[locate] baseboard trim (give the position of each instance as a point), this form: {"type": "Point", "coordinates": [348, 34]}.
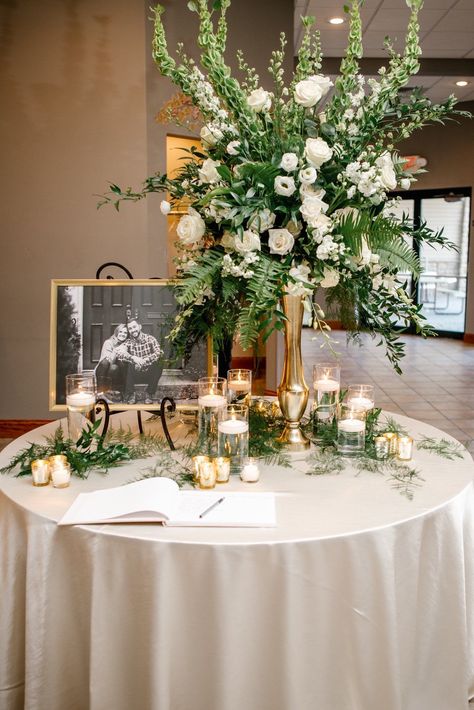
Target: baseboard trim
{"type": "Point", "coordinates": [469, 338]}
{"type": "Point", "coordinates": [12, 428]}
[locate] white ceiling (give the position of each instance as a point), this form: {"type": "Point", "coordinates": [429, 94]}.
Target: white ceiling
{"type": "Point", "coordinates": [447, 31]}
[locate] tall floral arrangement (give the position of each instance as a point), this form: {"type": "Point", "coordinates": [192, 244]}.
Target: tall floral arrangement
{"type": "Point", "coordinates": [290, 193]}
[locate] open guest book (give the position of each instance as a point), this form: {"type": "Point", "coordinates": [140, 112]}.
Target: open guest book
{"type": "Point", "coordinates": [159, 500]}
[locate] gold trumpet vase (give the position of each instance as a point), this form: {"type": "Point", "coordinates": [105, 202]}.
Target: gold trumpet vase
{"type": "Point", "coordinates": [293, 391]}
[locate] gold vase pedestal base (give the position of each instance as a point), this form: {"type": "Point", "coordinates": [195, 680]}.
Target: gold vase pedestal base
{"type": "Point", "coordinates": [294, 438]}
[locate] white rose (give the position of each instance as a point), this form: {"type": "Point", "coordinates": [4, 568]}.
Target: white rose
{"type": "Point", "coordinates": [317, 151]}
{"type": "Point", "coordinates": [311, 90]}
{"type": "Point", "coordinates": [311, 208]}
{"type": "Point", "coordinates": [262, 221]}
{"type": "Point", "coordinates": [289, 162]}
{"type": "Point", "coordinates": [284, 185]}
{"type": "Point", "coordinates": [330, 278]}
{"type": "Point", "coordinates": [259, 100]}
{"type": "Point", "coordinates": [228, 241]}
{"type": "Point", "coordinates": [280, 241]}
{"type": "Point", "coordinates": [249, 241]}
{"type": "Point", "coordinates": [210, 136]}
{"type": "Point", "coordinates": [300, 274]}
{"type": "Point", "coordinates": [191, 227]}
{"type": "Point", "coordinates": [322, 223]}
{"type": "Point", "coordinates": [165, 207]}
{"type": "Point", "coordinates": [233, 147]}
{"type": "Point", "coordinates": [207, 172]}
{"type": "Point", "coordinates": [405, 183]}
{"type": "Point", "coordinates": [308, 175]}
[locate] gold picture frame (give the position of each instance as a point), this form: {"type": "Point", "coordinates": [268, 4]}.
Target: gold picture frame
{"type": "Point", "coordinates": [92, 328]}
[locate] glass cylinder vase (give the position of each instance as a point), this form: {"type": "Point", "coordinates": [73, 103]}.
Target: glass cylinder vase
{"type": "Point", "coordinates": [327, 385]}
{"type": "Point", "coordinates": [351, 430]}
{"type": "Point", "coordinates": [234, 436]}
{"type": "Point", "coordinates": [81, 394]}
{"type": "Point", "coordinates": [211, 403]}
{"type": "Point", "coordinates": [239, 386]}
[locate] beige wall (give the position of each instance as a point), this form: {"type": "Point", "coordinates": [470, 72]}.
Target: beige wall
{"type": "Point", "coordinates": [449, 150]}
{"type": "Point", "coordinates": [79, 95]}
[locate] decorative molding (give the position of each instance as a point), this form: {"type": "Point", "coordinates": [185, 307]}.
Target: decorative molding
{"type": "Point", "coordinates": [12, 428]}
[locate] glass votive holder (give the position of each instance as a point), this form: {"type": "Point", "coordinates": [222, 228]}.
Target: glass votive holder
{"type": "Point", "coordinates": [61, 475]}
{"type": "Point", "coordinates": [327, 385]}
{"type": "Point", "coordinates": [233, 441]}
{"type": "Point", "coordinates": [381, 447]}
{"type": "Point", "coordinates": [211, 402]}
{"type": "Point", "coordinates": [361, 396]}
{"type": "Point", "coordinates": [351, 430]}
{"type": "Point", "coordinates": [81, 394]}
{"type": "Point", "coordinates": [40, 472]}
{"type": "Point", "coordinates": [197, 461]}
{"type": "Point", "coordinates": [392, 439]}
{"type": "Point", "coordinates": [207, 475]}
{"type": "Point", "coordinates": [405, 448]}
{"type": "Point", "coordinates": [222, 466]}
{"type": "Point", "coordinates": [239, 386]}
{"type": "Point", "coordinates": [250, 473]}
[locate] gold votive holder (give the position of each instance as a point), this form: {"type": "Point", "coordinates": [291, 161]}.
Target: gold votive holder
{"type": "Point", "coordinates": [40, 472]}
{"type": "Point", "coordinates": [392, 439]}
{"type": "Point", "coordinates": [382, 447]}
{"type": "Point", "coordinates": [222, 467]}
{"type": "Point", "coordinates": [61, 475]}
{"type": "Point", "coordinates": [207, 475]}
{"type": "Point", "coordinates": [405, 448]}
{"type": "Point", "coordinates": [197, 461]}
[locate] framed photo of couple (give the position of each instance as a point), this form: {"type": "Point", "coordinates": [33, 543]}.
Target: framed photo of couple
{"type": "Point", "coordinates": [120, 330]}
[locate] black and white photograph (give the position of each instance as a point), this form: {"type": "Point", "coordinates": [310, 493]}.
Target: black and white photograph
{"type": "Point", "coordinates": [120, 331]}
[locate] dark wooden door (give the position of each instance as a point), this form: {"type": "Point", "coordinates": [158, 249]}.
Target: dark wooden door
{"type": "Point", "coordinates": [106, 307]}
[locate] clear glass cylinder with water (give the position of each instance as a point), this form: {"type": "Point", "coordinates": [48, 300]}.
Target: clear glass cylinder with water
{"type": "Point", "coordinates": [351, 430]}
{"type": "Point", "coordinates": [211, 403]}
{"type": "Point", "coordinates": [81, 394]}
{"type": "Point", "coordinates": [233, 441]}
{"type": "Point", "coordinates": [327, 385]}
{"type": "Point", "coordinates": [239, 386]}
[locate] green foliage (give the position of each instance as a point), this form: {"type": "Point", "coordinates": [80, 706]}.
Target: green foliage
{"type": "Point", "coordinates": [441, 447]}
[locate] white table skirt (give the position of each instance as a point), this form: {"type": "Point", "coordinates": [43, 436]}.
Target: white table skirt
{"type": "Point", "coordinates": [358, 600]}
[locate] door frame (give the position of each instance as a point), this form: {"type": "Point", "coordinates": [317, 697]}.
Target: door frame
{"type": "Point", "coordinates": [417, 196]}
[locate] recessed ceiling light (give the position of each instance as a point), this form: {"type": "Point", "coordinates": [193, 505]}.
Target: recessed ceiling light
{"type": "Point", "coordinates": [336, 21]}
{"type": "Point", "coordinates": [461, 83]}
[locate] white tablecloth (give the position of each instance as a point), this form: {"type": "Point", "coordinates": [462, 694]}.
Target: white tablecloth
{"type": "Point", "coordinates": [359, 600]}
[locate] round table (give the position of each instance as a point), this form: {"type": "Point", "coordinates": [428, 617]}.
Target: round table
{"type": "Point", "coordinates": [359, 599]}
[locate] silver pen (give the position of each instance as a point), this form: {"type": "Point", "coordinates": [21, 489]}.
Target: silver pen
{"type": "Point", "coordinates": [205, 512]}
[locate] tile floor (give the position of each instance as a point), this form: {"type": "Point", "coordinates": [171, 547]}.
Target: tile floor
{"type": "Point", "coordinates": [437, 384]}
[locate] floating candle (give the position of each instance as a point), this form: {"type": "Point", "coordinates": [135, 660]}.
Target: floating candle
{"type": "Point", "coordinates": [80, 399]}
{"type": "Point", "coordinates": [351, 425]}
{"type": "Point", "coordinates": [361, 402]}
{"type": "Point", "coordinates": [326, 385]}
{"type": "Point", "coordinates": [233, 426]}
{"type": "Point", "coordinates": [212, 400]}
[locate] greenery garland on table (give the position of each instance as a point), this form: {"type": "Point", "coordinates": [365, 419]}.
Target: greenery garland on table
{"type": "Point", "coordinates": [290, 191]}
{"type": "Point", "coordinates": [91, 452]}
